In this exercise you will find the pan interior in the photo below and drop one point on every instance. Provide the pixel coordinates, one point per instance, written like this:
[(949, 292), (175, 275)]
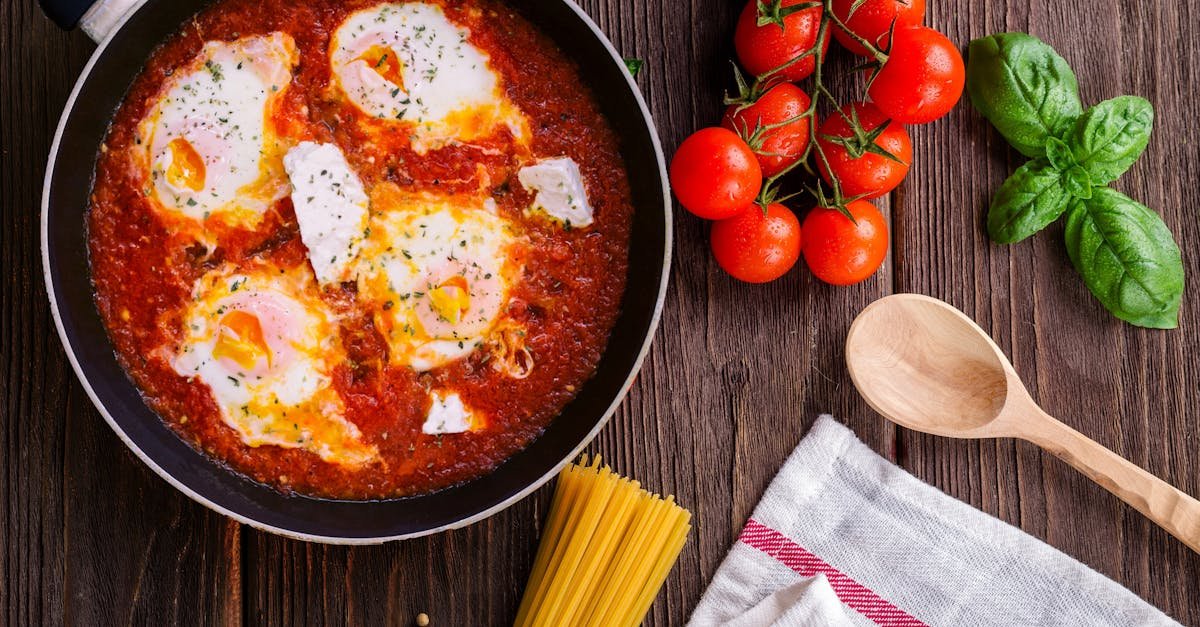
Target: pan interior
[(84, 123)]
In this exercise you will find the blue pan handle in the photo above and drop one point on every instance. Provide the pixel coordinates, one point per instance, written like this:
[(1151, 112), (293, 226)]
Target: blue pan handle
[(66, 13), (97, 18)]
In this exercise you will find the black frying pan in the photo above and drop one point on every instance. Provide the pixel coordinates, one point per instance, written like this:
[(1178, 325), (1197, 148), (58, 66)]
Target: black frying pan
[(96, 97)]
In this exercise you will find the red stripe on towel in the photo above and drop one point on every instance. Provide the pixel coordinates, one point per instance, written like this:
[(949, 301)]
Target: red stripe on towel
[(854, 594)]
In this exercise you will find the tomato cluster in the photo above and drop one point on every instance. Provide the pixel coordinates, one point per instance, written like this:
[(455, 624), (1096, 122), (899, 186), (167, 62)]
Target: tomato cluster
[(730, 173)]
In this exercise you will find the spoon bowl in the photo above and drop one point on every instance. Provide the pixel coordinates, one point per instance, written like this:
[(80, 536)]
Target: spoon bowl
[(926, 366)]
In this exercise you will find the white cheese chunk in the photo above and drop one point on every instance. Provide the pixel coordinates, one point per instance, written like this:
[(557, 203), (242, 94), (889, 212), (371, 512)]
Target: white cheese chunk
[(447, 415), (331, 207), (560, 191)]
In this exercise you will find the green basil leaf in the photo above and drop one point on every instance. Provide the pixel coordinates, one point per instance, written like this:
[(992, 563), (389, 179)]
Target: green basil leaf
[(634, 66), (1027, 202), (1077, 182), (1024, 88), (1111, 136), (1059, 154), (1127, 258)]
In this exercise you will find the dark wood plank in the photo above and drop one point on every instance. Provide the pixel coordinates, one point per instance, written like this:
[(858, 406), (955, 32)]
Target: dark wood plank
[(90, 535), (1133, 390)]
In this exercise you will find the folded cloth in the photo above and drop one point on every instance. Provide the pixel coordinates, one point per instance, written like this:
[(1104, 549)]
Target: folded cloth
[(841, 522)]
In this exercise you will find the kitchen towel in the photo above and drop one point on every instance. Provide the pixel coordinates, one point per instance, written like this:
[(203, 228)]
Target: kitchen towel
[(844, 537)]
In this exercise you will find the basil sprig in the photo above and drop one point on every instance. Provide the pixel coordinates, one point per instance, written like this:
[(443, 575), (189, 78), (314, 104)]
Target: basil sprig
[(1123, 250)]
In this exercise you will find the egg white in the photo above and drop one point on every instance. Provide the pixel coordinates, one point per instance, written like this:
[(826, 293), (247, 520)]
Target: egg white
[(331, 208), (448, 414), (559, 191)]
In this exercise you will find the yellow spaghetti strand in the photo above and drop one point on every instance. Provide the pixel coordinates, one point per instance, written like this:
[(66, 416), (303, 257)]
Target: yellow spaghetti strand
[(603, 547), (678, 531)]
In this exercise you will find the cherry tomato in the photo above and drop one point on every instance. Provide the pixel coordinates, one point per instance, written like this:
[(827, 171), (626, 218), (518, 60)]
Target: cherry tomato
[(841, 252), (764, 48), (715, 174), (873, 19), (779, 147), (757, 245), (922, 78), (869, 175)]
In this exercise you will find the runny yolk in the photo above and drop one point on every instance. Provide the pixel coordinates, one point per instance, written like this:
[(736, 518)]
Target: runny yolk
[(240, 339), (187, 166), (385, 63), (451, 299)]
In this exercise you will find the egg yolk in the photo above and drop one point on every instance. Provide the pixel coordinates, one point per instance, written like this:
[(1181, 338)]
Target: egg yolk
[(472, 122), (451, 299), (240, 339), (385, 63), (187, 166)]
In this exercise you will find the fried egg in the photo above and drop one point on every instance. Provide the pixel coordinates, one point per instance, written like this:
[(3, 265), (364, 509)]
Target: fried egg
[(438, 272), (210, 146), (265, 344), (409, 64)]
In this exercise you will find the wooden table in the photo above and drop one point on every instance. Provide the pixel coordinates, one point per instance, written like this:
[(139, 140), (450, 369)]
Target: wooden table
[(738, 372)]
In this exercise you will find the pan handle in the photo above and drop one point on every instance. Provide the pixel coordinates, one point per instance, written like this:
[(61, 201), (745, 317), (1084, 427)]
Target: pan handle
[(97, 18)]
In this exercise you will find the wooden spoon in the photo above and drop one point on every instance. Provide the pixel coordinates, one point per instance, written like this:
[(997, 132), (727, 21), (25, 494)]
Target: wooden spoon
[(928, 367)]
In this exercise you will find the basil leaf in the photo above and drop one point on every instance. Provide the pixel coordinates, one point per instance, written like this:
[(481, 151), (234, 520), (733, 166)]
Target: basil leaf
[(1111, 136), (1024, 88), (1059, 154), (634, 66), (1077, 182), (1127, 258), (1027, 202)]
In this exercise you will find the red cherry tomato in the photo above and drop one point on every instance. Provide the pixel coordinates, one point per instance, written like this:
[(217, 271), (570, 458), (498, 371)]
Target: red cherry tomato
[(841, 252), (873, 19), (922, 78), (869, 175), (764, 48), (715, 174), (779, 147), (757, 245)]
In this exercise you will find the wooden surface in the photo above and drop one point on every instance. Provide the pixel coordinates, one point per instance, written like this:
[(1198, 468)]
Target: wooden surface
[(90, 536)]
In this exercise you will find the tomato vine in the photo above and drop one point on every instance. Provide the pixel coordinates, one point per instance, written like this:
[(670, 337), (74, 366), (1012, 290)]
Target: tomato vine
[(773, 13)]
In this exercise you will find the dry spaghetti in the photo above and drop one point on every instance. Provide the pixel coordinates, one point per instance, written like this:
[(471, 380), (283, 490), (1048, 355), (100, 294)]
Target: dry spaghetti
[(607, 547)]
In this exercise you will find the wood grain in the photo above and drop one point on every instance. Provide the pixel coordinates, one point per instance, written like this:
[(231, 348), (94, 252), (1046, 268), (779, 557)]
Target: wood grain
[(736, 376)]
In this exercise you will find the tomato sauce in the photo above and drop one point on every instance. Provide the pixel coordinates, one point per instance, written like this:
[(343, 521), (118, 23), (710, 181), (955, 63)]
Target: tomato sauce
[(144, 265)]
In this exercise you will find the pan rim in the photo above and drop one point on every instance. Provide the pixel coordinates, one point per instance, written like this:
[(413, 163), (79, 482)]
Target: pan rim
[(81, 375)]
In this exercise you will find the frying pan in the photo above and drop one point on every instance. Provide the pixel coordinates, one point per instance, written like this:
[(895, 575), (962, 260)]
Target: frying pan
[(127, 36)]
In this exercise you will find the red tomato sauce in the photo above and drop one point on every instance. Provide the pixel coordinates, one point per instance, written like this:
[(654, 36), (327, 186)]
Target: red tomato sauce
[(144, 266)]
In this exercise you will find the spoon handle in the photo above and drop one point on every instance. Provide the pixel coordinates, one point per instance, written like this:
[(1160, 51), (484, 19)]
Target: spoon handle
[(1167, 506)]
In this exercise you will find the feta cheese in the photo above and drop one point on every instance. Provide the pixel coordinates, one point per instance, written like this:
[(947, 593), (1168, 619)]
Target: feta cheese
[(447, 415), (560, 190), (331, 207)]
